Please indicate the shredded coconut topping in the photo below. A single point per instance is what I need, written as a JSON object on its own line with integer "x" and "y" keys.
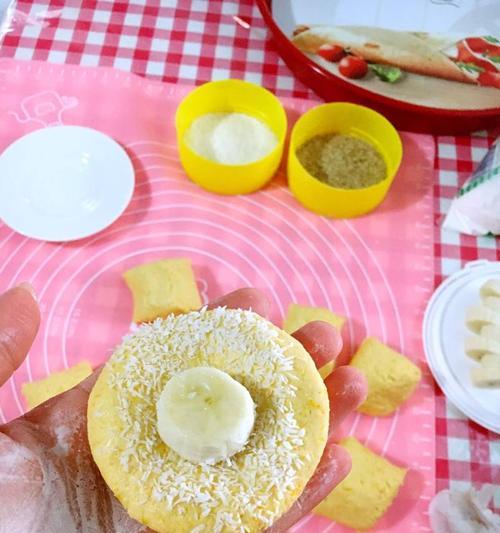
{"x": 252, "y": 482}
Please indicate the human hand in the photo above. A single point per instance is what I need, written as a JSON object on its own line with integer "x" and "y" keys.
{"x": 48, "y": 479}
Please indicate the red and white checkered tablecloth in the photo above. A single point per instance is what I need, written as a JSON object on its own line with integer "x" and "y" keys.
{"x": 195, "y": 41}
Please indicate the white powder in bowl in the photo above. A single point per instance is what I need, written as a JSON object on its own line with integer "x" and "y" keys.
{"x": 199, "y": 135}
{"x": 230, "y": 138}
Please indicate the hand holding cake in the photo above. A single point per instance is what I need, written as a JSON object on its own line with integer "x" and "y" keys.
{"x": 51, "y": 444}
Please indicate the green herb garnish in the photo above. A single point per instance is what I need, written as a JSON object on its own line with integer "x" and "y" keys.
{"x": 491, "y": 39}
{"x": 469, "y": 67}
{"x": 386, "y": 73}
{"x": 495, "y": 59}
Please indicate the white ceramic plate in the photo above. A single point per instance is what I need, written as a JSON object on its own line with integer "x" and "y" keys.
{"x": 64, "y": 183}
{"x": 444, "y": 332}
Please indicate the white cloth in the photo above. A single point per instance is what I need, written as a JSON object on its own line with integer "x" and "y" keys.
{"x": 6, "y": 9}
{"x": 456, "y": 511}
{"x": 477, "y": 210}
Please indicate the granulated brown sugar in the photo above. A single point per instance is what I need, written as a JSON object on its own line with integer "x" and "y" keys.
{"x": 342, "y": 161}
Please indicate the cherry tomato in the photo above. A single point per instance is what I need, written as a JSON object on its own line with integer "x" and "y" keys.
{"x": 489, "y": 79}
{"x": 464, "y": 54}
{"x": 331, "y": 52}
{"x": 353, "y": 67}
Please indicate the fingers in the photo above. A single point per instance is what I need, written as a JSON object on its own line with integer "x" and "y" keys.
{"x": 347, "y": 390}
{"x": 19, "y": 322}
{"x": 321, "y": 340}
{"x": 244, "y": 299}
{"x": 333, "y": 467}
{"x": 87, "y": 384}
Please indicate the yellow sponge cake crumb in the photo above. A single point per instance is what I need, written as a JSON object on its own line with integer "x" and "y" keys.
{"x": 391, "y": 377}
{"x": 40, "y": 391}
{"x": 300, "y": 315}
{"x": 367, "y": 492}
{"x": 161, "y": 288}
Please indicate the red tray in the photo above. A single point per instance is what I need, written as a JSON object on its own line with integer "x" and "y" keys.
{"x": 403, "y": 115}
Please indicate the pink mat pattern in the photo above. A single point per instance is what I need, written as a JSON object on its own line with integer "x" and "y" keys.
{"x": 376, "y": 270}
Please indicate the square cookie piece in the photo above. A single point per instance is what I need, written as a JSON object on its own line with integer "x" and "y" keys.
{"x": 299, "y": 315}
{"x": 163, "y": 287}
{"x": 367, "y": 492}
{"x": 40, "y": 391}
{"x": 391, "y": 377}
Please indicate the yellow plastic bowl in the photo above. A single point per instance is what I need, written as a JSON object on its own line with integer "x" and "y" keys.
{"x": 230, "y": 96}
{"x": 349, "y": 119}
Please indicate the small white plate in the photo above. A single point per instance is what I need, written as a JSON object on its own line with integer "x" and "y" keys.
{"x": 64, "y": 183}
{"x": 444, "y": 332}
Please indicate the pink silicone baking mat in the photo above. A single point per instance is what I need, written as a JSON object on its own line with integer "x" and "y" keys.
{"x": 376, "y": 270}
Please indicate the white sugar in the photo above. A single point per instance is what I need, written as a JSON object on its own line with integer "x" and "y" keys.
{"x": 230, "y": 138}
{"x": 199, "y": 134}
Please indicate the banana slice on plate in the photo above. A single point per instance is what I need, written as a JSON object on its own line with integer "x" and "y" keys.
{"x": 491, "y": 331}
{"x": 490, "y": 288}
{"x": 488, "y": 373}
{"x": 205, "y": 415}
{"x": 478, "y": 316}
{"x": 493, "y": 303}
{"x": 491, "y": 361}
{"x": 477, "y": 346}
{"x": 481, "y": 377}
{"x": 463, "y": 364}
{"x": 484, "y": 319}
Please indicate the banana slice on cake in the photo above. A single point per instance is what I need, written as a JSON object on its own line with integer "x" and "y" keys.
{"x": 205, "y": 415}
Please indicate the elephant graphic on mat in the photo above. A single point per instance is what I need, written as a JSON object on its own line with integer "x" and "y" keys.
{"x": 45, "y": 107}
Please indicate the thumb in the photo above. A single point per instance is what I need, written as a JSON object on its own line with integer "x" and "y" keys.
{"x": 19, "y": 322}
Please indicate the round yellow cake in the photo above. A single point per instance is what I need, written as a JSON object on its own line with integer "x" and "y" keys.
{"x": 247, "y": 492}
